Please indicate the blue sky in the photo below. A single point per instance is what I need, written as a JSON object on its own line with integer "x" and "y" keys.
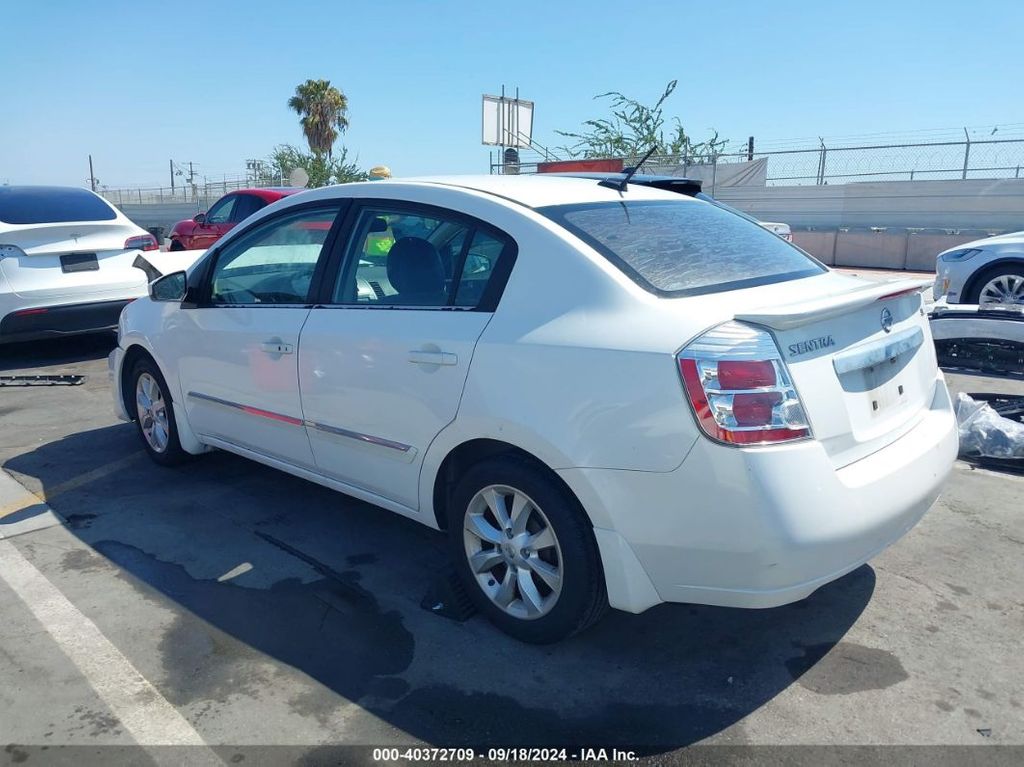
{"x": 138, "y": 83}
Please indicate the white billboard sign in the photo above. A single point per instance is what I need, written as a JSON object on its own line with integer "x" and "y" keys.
{"x": 507, "y": 121}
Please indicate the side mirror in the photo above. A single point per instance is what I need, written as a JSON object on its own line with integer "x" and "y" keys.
{"x": 199, "y": 218}
{"x": 170, "y": 287}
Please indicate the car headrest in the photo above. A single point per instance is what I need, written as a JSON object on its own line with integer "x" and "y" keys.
{"x": 414, "y": 267}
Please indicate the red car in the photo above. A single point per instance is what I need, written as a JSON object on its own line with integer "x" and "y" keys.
{"x": 201, "y": 232}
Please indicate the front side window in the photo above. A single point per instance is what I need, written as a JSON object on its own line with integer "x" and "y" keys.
{"x": 273, "y": 263}
{"x": 402, "y": 258}
{"x": 684, "y": 247}
{"x": 222, "y": 210}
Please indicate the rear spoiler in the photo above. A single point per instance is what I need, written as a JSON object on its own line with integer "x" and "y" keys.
{"x": 816, "y": 309}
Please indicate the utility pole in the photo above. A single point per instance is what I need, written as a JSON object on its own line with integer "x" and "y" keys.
{"x": 750, "y": 149}
{"x": 172, "y": 177}
{"x": 92, "y": 176}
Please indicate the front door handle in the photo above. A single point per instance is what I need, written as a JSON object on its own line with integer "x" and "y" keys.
{"x": 276, "y": 347}
{"x": 421, "y": 357}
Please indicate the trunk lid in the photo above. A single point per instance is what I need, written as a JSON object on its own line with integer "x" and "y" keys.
{"x": 861, "y": 359}
{"x": 35, "y": 269}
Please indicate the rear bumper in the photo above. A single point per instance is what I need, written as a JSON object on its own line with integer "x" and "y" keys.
{"x": 764, "y": 527}
{"x": 63, "y": 320}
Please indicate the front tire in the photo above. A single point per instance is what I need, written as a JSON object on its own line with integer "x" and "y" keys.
{"x": 176, "y": 245}
{"x": 525, "y": 551}
{"x": 1002, "y": 284}
{"x": 154, "y": 417}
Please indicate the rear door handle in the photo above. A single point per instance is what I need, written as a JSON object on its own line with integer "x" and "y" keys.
{"x": 276, "y": 347}
{"x": 420, "y": 357}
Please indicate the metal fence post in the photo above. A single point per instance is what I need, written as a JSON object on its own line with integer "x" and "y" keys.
{"x": 967, "y": 153}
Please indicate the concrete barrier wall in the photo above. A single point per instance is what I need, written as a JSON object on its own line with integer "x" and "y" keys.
{"x": 923, "y": 248}
{"x": 162, "y": 214}
{"x": 914, "y": 251}
{"x": 841, "y": 217}
{"x": 996, "y": 205}
{"x": 821, "y": 245}
{"x": 878, "y": 250}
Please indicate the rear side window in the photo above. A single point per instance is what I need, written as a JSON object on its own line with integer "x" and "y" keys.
{"x": 684, "y": 247}
{"x": 51, "y": 205}
{"x": 245, "y": 206}
{"x": 414, "y": 256}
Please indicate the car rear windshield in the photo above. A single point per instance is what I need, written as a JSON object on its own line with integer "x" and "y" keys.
{"x": 685, "y": 246}
{"x": 51, "y": 205}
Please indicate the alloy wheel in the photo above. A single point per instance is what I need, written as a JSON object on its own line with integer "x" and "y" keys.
{"x": 1004, "y": 289}
{"x": 513, "y": 552}
{"x": 152, "y": 412}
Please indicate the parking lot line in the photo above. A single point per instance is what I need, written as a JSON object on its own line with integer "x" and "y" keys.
{"x": 89, "y": 476}
{"x": 145, "y": 713}
{"x": 15, "y": 502}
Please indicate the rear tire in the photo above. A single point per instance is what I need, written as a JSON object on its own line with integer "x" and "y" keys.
{"x": 1003, "y": 280}
{"x": 525, "y": 552}
{"x": 154, "y": 416}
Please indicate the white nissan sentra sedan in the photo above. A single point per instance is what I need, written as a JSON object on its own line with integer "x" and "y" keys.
{"x": 604, "y": 396}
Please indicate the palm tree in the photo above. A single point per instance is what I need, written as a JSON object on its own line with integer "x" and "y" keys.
{"x": 323, "y": 110}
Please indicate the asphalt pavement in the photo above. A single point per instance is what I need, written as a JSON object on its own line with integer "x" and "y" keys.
{"x": 222, "y": 603}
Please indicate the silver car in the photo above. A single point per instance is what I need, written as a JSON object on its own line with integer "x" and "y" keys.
{"x": 989, "y": 271}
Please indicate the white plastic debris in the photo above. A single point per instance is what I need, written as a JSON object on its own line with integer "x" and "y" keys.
{"x": 986, "y": 434}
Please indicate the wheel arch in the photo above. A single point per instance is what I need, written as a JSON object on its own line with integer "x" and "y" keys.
{"x": 132, "y": 354}
{"x": 976, "y": 280}
{"x": 470, "y": 452}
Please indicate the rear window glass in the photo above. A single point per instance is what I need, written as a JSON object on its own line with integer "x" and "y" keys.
{"x": 684, "y": 247}
{"x": 51, "y": 205}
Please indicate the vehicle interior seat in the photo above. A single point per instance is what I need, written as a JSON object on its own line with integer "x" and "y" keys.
{"x": 416, "y": 273}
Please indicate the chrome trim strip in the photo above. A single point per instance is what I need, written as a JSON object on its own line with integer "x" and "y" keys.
{"x": 217, "y": 400}
{"x": 368, "y": 438}
{"x": 249, "y": 409}
{"x": 870, "y": 354}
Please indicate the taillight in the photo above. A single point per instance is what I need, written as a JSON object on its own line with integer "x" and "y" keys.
{"x": 142, "y": 242}
{"x": 739, "y": 387}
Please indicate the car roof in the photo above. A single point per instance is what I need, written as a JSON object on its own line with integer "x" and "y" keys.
{"x": 533, "y": 191}
{"x": 270, "y": 193}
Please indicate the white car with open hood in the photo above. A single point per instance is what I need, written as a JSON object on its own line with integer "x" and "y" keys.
{"x": 606, "y": 394}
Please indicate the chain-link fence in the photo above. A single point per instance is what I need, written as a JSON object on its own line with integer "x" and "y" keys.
{"x": 841, "y": 164}
{"x": 202, "y": 195}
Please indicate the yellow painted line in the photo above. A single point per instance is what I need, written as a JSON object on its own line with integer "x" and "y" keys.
{"x": 20, "y": 503}
{"x": 89, "y": 476}
{"x": 47, "y": 495}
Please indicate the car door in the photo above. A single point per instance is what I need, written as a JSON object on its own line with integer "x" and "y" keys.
{"x": 384, "y": 355}
{"x": 236, "y": 347}
{"x": 216, "y": 223}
